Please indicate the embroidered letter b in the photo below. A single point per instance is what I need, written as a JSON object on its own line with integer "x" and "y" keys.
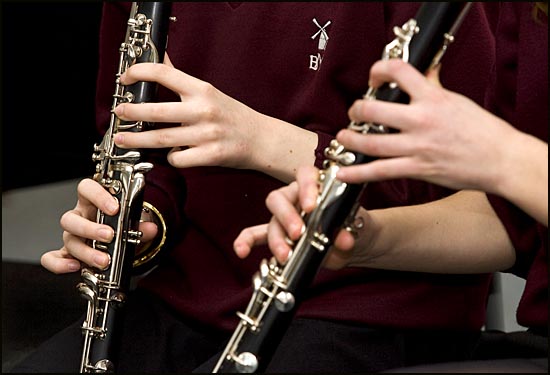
{"x": 315, "y": 61}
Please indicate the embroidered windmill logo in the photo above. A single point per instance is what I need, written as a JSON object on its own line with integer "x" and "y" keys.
{"x": 322, "y": 34}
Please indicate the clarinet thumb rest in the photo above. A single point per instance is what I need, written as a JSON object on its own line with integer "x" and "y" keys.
{"x": 148, "y": 254}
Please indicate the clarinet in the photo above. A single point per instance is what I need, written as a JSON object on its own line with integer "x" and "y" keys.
{"x": 122, "y": 173}
{"x": 279, "y": 288}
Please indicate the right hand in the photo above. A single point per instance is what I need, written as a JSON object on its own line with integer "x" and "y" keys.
{"x": 285, "y": 204}
{"x": 80, "y": 227}
{"x": 442, "y": 135}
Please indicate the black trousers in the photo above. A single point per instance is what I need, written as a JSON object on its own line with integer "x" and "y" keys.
{"x": 155, "y": 340}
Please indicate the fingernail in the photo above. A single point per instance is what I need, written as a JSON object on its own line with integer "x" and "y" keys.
{"x": 101, "y": 260}
{"x": 283, "y": 254}
{"x": 112, "y": 206}
{"x": 308, "y": 202}
{"x": 238, "y": 249}
{"x": 106, "y": 234}
{"x": 294, "y": 229}
{"x": 119, "y": 110}
{"x": 73, "y": 266}
{"x": 119, "y": 139}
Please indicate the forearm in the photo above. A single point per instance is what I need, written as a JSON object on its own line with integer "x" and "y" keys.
{"x": 524, "y": 178}
{"x": 458, "y": 234}
{"x": 282, "y": 148}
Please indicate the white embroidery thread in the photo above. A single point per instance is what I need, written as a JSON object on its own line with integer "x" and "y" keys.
{"x": 322, "y": 33}
{"x": 315, "y": 60}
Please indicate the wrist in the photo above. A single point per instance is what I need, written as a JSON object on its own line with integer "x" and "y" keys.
{"x": 280, "y": 148}
{"x": 524, "y": 178}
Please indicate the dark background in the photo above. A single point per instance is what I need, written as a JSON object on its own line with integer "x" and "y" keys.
{"x": 49, "y": 67}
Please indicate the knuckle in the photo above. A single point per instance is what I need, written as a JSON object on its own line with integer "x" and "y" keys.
{"x": 172, "y": 158}
{"x": 217, "y": 151}
{"x": 217, "y": 154}
{"x": 272, "y": 197}
{"x": 65, "y": 219}
{"x": 355, "y": 109}
{"x": 83, "y": 185}
{"x": 381, "y": 173}
{"x": 422, "y": 118}
{"x": 378, "y": 67}
{"x": 131, "y": 72}
{"x": 44, "y": 258}
{"x": 278, "y": 242}
{"x": 206, "y": 89}
{"x": 397, "y": 66}
{"x": 159, "y": 112}
{"x": 372, "y": 145}
{"x": 209, "y": 112}
{"x": 164, "y": 139}
{"x": 437, "y": 95}
{"x": 160, "y": 70}
{"x": 69, "y": 240}
{"x": 218, "y": 131}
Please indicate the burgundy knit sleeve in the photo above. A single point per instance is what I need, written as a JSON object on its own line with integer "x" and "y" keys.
{"x": 519, "y": 93}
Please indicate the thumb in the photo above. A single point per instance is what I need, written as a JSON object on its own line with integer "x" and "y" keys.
{"x": 167, "y": 60}
{"x": 433, "y": 75}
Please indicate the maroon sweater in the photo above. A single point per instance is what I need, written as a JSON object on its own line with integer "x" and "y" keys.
{"x": 519, "y": 94}
{"x": 263, "y": 54}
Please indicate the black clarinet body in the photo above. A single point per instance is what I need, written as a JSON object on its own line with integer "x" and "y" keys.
{"x": 122, "y": 173}
{"x": 278, "y": 288}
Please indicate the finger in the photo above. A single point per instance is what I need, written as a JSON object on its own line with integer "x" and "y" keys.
{"x": 167, "y": 137}
{"x": 395, "y": 115}
{"x": 340, "y": 254}
{"x": 344, "y": 241}
{"x": 407, "y": 77}
{"x": 381, "y": 145}
{"x": 167, "y": 60}
{"x": 80, "y": 226}
{"x": 149, "y": 230}
{"x": 307, "y": 178}
{"x": 164, "y": 74}
{"x": 86, "y": 254}
{"x": 59, "y": 262}
{"x": 208, "y": 154}
{"x": 276, "y": 238}
{"x": 382, "y": 169}
{"x": 170, "y": 112}
{"x": 336, "y": 259}
{"x": 433, "y": 75}
{"x": 248, "y": 238}
{"x": 281, "y": 203}
{"x": 91, "y": 195}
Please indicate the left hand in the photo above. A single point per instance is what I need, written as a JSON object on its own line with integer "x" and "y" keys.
{"x": 216, "y": 130}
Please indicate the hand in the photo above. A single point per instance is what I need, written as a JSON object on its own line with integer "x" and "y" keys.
{"x": 80, "y": 226}
{"x": 287, "y": 222}
{"x": 216, "y": 130}
{"x": 444, "y": 137}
